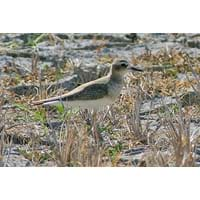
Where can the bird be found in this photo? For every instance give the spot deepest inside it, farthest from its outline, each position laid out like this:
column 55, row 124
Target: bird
column 97, row 93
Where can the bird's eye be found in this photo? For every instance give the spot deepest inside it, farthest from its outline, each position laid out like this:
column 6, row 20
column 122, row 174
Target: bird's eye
column 124, row 65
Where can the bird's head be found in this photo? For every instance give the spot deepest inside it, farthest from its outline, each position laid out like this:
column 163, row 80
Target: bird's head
column 121, row 67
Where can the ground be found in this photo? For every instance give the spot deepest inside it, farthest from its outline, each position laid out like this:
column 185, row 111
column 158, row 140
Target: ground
column 154, row 122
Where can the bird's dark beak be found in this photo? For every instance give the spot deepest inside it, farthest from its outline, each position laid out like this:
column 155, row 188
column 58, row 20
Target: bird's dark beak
column 135, row 68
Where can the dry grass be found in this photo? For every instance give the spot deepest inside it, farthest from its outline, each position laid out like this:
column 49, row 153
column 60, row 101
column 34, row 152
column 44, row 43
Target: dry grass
column 78, row 149
column 174, row 146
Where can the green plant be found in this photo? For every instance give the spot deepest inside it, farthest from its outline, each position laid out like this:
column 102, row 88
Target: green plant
column 172, row 72
column 114, row 151
column 34, row 39
column 22, row 107
column 40, row 115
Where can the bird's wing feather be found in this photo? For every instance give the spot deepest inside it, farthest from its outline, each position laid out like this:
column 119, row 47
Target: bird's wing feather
column 91, row 90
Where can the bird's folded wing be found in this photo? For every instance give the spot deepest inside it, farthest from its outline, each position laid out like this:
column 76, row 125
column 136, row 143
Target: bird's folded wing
column 89, row 92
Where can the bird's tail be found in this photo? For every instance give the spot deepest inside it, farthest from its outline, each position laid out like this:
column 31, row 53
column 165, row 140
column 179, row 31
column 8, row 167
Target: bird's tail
column 45, row 102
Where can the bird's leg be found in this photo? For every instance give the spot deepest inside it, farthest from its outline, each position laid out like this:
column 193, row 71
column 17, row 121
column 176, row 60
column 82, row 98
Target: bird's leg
column 106, row 113
column 85, row 116
column 90, row 119
column 95, row 127
column 92, row 123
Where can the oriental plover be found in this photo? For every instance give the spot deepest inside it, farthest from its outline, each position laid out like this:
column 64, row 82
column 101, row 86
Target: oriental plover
column 95, row 94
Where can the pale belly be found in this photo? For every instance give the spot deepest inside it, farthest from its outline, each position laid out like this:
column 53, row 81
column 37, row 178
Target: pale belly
column 89, row 104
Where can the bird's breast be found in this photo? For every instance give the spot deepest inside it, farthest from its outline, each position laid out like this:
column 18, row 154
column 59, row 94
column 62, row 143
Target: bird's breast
column 114, row 89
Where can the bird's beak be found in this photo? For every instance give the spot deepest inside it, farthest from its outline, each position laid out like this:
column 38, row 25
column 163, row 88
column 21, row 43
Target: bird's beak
column 135, row 68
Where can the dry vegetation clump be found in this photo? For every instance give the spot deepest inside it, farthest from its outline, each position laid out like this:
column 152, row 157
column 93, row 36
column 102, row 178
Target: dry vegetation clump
column 173, row 145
